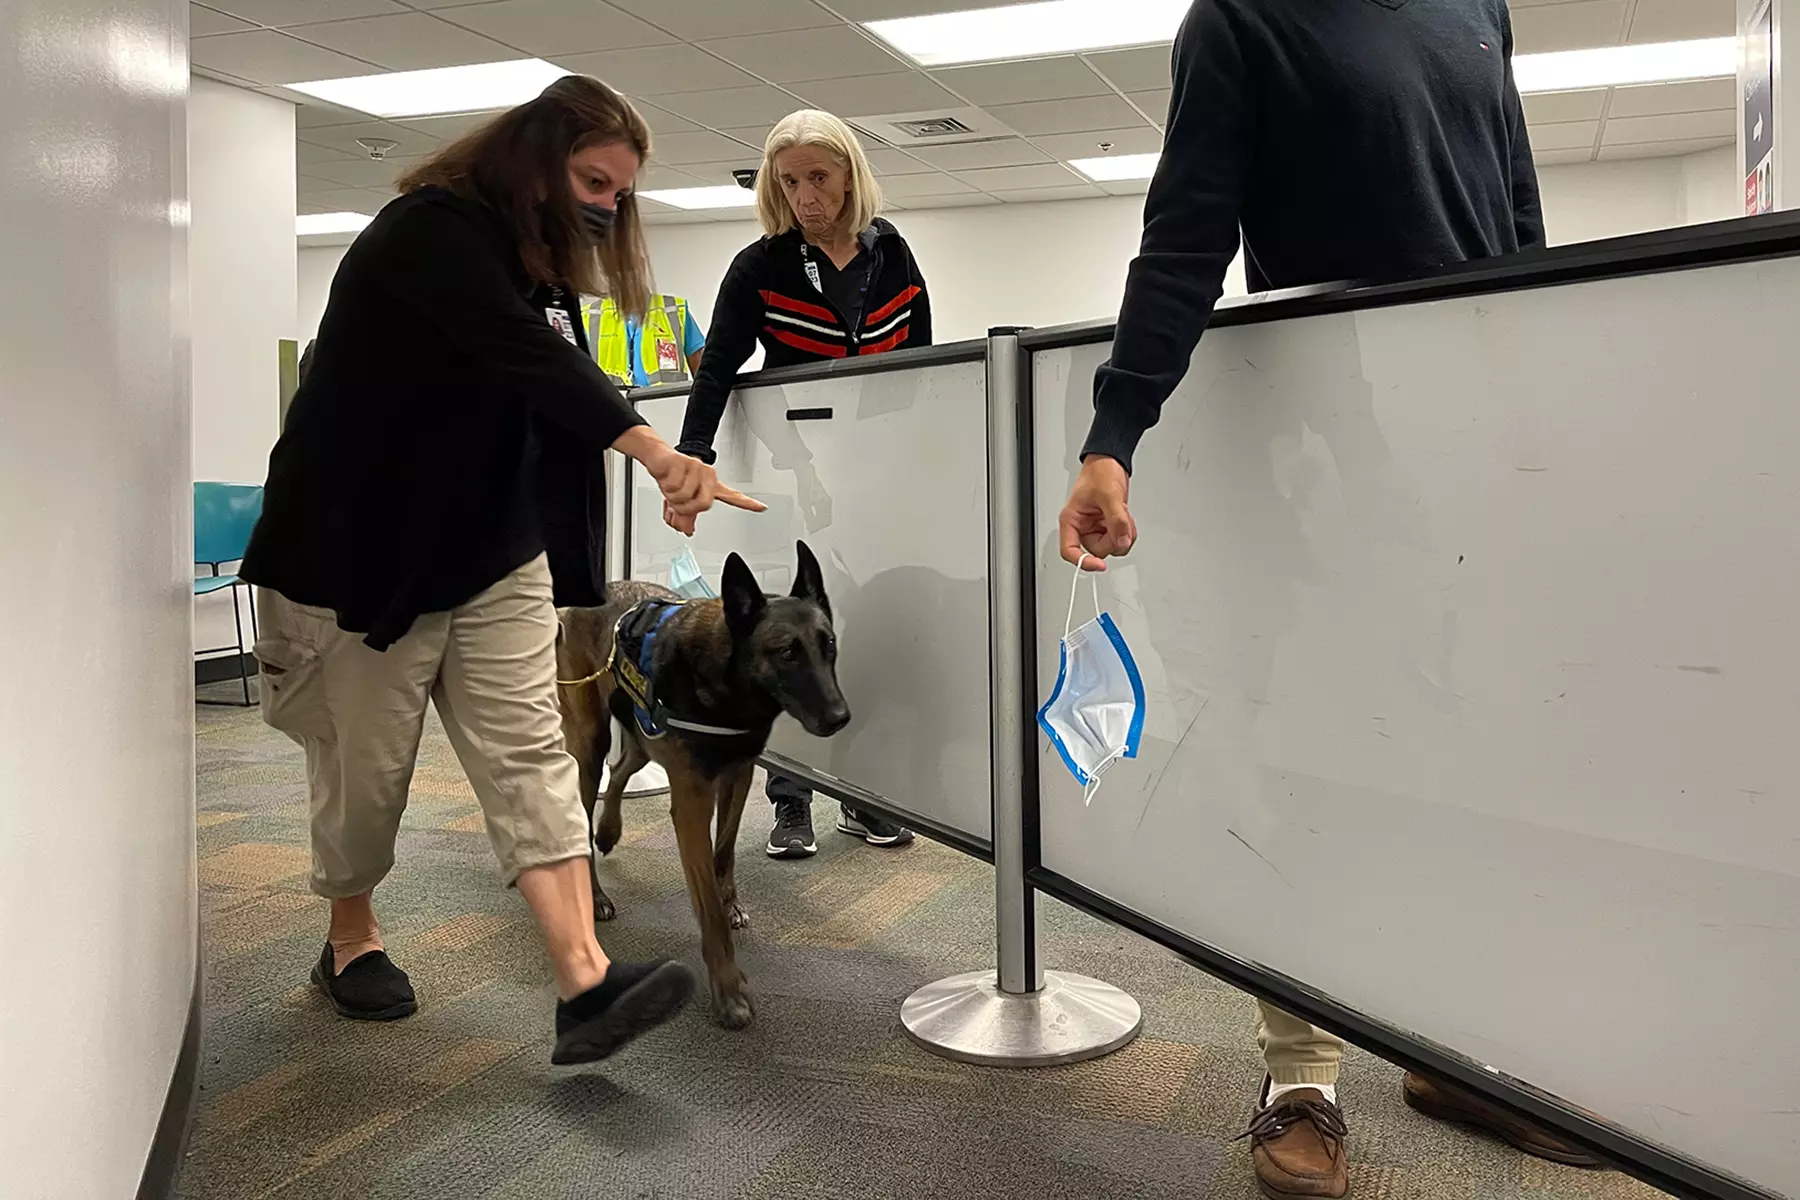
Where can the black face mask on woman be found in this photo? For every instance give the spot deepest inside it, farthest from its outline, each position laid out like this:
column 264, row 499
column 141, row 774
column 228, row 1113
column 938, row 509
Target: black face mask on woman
column 599, row 220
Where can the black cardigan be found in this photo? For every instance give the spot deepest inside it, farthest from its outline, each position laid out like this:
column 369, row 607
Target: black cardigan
column 767, row 296
column 443, row 429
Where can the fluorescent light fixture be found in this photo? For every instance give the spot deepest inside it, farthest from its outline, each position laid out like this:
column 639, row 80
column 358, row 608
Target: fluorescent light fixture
column 1031, row 30
column 728, row 195
column 1619, row 66
column 1111, row 168
column 439, row 91
column 339, row 222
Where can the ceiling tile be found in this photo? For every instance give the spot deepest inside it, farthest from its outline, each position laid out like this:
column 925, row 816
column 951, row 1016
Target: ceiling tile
column 701, row 146
column 659, row 175
column 750, row 135
column 957, row 200
column 1154, row 104
column 1004, row 179
column 203, row 21
column 343, row 137
column 1125, row 187
column 959, row 156
column 877, row 95
column 306, row 153
column 1670, row 128
column 555, row 28
column 719, row 173
column 895, row 162
column 656, row 214
column 1036, row 195
column 1020, row 82
column 1141, row 139
column 1679, row 20
column 696, row 19
column 1140, row 70
column 1576, row 25
column 375, row 174
column 1558, row 158
column 413, row 42
column 264, row 56
column 280, row 13
column 878, row 10
column 661, row 121
column 650, row 69
column 1586, row 105
column 731, row 106
column 908, row 188
column 1066, row 116
column 447, row 128
column 1564, row 135
column 828, row 53
column 1656, row 99
column 312, row 113
column 1661, row 149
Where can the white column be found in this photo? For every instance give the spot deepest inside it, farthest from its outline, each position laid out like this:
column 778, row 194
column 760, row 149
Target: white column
column 97, row 890
column 242, row 262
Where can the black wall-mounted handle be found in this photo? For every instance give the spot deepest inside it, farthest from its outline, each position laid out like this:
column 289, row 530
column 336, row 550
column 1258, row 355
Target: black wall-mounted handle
column 809, row 414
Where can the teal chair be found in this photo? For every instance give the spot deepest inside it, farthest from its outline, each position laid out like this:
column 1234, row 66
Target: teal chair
column 224, row 515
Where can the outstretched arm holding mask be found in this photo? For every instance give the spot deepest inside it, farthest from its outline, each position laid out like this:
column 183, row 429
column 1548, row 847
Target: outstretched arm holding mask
column 1190, row 238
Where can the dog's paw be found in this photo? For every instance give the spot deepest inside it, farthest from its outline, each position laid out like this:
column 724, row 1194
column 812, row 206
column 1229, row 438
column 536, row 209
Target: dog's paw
column 606, row 837
column 603, row 908
column 733, row 1011
column 735, row 914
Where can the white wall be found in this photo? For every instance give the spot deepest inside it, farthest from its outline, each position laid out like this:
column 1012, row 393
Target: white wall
column 242, row 260
column 314, row 269
column 97, row 889
column 1711, row 189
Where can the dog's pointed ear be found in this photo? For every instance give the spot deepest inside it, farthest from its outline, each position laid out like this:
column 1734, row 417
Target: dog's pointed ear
column 809, row 581
column 742, row 595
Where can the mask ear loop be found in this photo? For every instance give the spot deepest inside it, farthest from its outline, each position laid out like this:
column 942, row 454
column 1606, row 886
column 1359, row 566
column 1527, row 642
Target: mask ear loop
column 1075, row 590
column 1093, row 783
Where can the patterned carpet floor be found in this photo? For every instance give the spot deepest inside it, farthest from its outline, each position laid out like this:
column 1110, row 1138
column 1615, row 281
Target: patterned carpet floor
column 824, row 1097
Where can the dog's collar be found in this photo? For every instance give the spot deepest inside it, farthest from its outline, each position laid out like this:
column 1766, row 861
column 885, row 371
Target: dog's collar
column 632, row 672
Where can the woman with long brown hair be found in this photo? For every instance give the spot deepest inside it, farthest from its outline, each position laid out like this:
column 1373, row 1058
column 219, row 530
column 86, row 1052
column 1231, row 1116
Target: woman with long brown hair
column 438, row 461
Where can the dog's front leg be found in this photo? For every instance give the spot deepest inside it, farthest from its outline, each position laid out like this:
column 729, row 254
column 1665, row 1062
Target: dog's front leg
column 691, row 805
column 732, row 794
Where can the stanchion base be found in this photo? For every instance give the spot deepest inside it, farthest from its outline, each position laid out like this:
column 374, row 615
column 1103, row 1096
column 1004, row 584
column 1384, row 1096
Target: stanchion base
column 651, row 781
column 968, row 1018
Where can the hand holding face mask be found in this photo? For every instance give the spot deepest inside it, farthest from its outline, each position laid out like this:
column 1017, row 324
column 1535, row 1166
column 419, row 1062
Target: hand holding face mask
column 1095, row 714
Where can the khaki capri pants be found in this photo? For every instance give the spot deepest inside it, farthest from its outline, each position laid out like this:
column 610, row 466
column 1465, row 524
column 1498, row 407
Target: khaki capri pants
column 490, row 668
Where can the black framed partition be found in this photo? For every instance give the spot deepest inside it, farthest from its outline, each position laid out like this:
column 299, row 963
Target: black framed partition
column 1462, row 608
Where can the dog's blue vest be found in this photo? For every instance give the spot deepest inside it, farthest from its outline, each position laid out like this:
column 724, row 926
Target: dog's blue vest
column 632, row 664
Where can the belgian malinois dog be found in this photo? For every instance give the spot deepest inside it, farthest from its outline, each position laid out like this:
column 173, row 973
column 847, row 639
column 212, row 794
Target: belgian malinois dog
column 696, row 686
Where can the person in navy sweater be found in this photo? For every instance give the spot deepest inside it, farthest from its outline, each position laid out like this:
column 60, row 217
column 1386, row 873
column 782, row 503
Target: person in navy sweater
column 1358, row 140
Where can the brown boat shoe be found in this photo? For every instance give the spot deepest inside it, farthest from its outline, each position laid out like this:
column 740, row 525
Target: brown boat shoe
column 1446, row 1102
column 1297, row 1146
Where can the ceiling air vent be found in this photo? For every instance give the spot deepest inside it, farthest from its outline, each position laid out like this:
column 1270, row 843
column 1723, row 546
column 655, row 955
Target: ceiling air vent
column 933, row 127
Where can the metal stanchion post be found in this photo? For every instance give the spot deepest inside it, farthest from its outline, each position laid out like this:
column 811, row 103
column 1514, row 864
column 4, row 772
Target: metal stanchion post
column 1019, row 1015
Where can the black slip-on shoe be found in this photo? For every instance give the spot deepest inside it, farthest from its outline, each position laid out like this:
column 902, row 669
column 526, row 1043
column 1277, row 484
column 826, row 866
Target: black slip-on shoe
column 371, row 988
column 633, row 999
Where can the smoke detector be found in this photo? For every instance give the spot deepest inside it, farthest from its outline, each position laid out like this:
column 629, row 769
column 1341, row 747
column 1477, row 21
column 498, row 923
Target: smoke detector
column 377, row 147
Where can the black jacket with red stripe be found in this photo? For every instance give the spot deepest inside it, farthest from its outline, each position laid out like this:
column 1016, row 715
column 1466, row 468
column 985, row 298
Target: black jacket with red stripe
column 768, row 297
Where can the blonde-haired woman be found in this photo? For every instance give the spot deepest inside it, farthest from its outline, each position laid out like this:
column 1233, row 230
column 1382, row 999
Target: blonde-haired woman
column 828, row 279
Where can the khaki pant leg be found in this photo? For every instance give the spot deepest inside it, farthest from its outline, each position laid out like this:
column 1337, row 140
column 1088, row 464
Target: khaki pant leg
column 1296, row 1051
column 359, row 714
column 497, row 698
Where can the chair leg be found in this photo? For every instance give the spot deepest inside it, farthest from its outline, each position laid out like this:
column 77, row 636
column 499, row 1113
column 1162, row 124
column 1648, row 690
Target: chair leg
column 250, row 591
column 237, row 619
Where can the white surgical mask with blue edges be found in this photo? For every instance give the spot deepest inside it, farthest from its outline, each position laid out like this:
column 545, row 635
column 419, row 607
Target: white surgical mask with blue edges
column 1095, row 714
column 686, row 580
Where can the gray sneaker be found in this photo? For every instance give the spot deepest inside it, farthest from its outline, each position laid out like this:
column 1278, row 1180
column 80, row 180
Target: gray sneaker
column 877, row 831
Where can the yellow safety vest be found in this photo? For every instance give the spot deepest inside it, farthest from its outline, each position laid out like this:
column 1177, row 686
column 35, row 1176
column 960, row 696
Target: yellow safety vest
column 659, row 344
